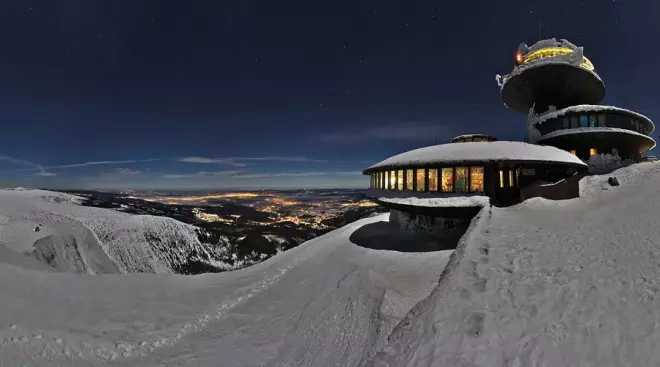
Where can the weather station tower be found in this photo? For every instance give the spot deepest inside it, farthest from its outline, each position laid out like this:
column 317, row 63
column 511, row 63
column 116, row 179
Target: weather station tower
column 557, row 87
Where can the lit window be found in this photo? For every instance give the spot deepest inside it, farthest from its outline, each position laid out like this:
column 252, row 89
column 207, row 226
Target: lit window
column 501, row 178
column 511, row 178
column 399, row 180
column 392, row 180
column 386, row 180
column 461, row 181
column 476, row 179
column 433, row 179
column 409, row 179
column 377, row 181
column 593, row 151
column 447, row 179
column 573, row 152
column 421, row 173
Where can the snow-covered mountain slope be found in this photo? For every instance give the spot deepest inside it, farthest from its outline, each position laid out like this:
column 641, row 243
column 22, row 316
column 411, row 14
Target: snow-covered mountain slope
column 544, row 283
column 327, row 302
column 75, row 238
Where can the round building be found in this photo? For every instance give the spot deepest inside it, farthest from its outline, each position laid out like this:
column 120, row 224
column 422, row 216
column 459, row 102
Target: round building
column 468, row 174
column 557, row 87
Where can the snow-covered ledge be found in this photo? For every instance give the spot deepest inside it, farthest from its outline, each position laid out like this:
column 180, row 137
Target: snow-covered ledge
column 429, row 199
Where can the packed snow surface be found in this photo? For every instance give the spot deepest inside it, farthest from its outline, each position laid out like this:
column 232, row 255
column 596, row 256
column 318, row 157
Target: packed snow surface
column 327, row 302
column 570, row 283
column 479, row 152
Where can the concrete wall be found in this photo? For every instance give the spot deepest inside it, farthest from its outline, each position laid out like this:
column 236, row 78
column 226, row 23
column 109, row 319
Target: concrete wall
column 409, row 222
column 568, row 188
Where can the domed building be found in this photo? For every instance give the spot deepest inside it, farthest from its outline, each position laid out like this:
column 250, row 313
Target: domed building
column 465, row 174
column 560, row 91
column 557, row 87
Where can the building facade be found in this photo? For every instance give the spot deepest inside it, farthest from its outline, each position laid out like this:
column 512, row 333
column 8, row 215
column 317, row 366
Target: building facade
column 557, row 87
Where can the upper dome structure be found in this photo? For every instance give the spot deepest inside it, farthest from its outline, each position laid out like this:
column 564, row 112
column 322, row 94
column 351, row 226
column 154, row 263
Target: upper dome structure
column 550, row 73
column 472, row 138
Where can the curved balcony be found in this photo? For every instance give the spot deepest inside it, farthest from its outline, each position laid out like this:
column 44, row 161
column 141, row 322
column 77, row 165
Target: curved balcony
column 551, row 82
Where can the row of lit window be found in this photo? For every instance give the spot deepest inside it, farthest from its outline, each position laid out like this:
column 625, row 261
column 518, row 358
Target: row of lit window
column 593, row 120
column 448, row 179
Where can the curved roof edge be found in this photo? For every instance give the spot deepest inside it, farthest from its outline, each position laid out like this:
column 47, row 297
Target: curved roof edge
column 520, row 69
column 588, row 130
column 591, row 108
column 465, row 136
column 478, row 152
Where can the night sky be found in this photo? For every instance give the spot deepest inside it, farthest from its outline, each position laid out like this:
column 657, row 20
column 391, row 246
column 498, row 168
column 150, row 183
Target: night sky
column 262, row 94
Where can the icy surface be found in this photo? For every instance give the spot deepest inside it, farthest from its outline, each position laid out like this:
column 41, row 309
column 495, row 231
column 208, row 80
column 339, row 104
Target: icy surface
column 479, row 151
column 570, row 283
column 327, row 302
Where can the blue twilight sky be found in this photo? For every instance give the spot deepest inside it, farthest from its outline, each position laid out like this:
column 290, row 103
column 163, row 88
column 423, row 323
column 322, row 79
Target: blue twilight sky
column 261, row 94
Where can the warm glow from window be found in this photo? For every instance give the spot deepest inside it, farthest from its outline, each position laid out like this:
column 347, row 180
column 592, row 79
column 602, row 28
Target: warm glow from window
column 399, row 180
column 409, row 179
column 511, row 178
column 392, row 180
column 433, row 179
column 501, row 178
column 447, row 179
column 573, row 152
column 593, row 151
column 420, row 179
column 461, row 181
column 476, row 179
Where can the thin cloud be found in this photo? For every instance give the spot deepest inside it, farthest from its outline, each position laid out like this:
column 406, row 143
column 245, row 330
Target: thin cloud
column 293, row 174
column 244, row 161
column 99, row 163
column 201, row 174
column 45, row 174
column 411, row 131
column 125, row 172
column 33, row 166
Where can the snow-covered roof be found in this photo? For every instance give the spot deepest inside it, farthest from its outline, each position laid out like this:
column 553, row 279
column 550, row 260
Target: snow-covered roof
column 467, row 136
column 591, row 130
column 479, row 152
column 592, row 108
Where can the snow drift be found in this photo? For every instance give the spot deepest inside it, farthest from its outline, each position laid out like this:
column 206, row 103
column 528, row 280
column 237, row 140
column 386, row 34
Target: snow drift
column 327, row 302
column 571, row 283
column 75, row 238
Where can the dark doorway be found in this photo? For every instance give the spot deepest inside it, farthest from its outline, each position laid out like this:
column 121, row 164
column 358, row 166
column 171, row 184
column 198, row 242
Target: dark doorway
column 507, row 190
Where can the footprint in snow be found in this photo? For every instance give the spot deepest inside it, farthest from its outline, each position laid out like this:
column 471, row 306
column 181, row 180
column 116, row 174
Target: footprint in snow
column 474, row 324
